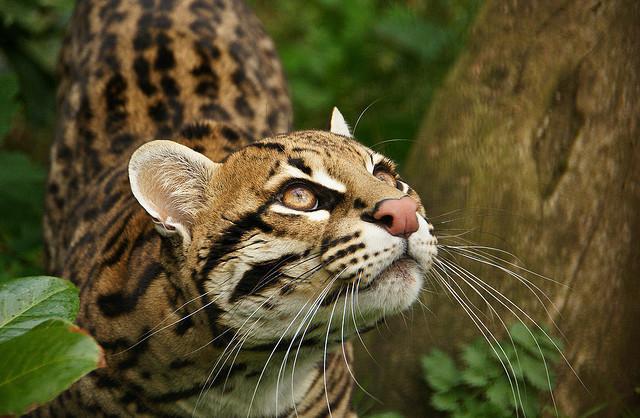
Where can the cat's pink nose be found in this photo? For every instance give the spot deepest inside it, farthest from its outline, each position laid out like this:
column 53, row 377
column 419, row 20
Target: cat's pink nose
column 398, row 216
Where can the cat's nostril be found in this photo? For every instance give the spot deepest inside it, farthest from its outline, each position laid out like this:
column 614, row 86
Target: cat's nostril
column 386, row 220
column 397, row 216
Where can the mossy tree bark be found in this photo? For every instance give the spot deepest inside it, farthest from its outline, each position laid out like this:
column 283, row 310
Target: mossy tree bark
column 535, row 135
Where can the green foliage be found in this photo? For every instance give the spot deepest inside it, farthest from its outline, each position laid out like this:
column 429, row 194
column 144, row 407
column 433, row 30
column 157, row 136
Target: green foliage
column 30, row 37
column 495, row 379
column 21, row 194
column 349, row 54
column 29, row 301
column 8, row 103
column 386, row 415
column 352, row 54
column 41, row 351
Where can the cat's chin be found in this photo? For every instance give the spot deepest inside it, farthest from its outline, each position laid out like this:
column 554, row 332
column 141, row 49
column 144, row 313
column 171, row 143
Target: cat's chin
column 395, row 289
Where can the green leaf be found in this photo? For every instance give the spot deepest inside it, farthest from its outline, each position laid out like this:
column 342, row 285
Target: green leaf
column 440, row 370
column 386, row 415
column 501, row 394
column 28, row 301
column 445, row 401
column 36, row 366
column 474, row 377
column 8, row 103
column 535, row 373
column 534, row 340
column 480, row 364
column 530, row 405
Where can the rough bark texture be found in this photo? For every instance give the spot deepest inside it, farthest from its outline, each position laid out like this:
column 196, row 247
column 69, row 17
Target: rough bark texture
column 535, row 135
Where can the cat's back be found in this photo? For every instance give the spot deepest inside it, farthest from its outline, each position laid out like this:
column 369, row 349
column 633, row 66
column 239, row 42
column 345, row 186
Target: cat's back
column 132, row 71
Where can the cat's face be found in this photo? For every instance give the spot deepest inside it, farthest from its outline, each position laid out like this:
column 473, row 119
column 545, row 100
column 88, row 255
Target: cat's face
column 296, row 234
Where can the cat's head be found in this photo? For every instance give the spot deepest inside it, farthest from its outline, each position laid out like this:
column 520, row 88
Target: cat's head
column 289, row 233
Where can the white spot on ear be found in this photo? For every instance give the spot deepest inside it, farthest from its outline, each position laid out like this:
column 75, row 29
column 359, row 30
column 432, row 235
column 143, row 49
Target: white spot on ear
column 338, row 124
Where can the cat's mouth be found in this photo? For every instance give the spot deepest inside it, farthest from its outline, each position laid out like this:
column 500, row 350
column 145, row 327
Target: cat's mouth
column 403, row 270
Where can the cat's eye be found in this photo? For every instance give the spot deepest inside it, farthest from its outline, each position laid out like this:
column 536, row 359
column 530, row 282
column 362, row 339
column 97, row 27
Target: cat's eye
column 299, row 197
column 383, row 175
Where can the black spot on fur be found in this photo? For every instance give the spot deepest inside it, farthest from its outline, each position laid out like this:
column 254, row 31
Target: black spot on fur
column 196, row 131
column 197, row 388
column 142, row 41
column 267, row 145
column 158, row 112
column 229, row 134
column 300, row 165
column 238, row 77
column 207, row 87
column 121, row 142
column 214, row 111
column 185, row 324
column 164, row 59
column 242, row 107
column 180, row 363
column 169, row 86
column 272, row 119
column 359, row 203
column 119, row 303
column 103, row 380
column 142, row 70
column 114, row 95
column 64, row 152
column 260, row 276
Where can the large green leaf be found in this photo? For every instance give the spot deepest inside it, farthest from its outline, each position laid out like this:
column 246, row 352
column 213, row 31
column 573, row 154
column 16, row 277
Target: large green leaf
column 36, row 366
column 28, row 301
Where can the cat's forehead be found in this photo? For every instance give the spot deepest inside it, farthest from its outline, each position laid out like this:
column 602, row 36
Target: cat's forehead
column 308, row 151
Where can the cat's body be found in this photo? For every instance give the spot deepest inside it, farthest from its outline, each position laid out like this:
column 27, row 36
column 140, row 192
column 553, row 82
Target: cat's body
column 204, row 307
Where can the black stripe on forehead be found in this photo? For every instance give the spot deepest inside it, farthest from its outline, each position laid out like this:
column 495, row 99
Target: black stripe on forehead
column 301, row 149
column 300, row 165
column 267, row 145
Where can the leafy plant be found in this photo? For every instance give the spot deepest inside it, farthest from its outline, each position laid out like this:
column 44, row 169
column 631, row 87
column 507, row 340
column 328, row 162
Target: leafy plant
column 391, row 55
column 30, row 37
column 497, row 379
column 386, row 415
column 21, row 195
column 41, row 351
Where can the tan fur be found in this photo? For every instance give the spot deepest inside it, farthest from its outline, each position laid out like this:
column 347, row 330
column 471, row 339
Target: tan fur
column 203, row 288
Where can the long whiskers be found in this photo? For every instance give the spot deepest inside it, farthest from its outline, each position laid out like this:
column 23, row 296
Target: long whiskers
column 342, row 342
column 484, row 330
column 272, row 353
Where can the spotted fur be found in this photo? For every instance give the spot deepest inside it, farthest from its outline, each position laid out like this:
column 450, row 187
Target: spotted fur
column 224, row 302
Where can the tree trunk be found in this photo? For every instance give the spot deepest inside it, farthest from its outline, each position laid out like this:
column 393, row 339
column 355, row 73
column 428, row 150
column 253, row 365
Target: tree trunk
column 535, row 136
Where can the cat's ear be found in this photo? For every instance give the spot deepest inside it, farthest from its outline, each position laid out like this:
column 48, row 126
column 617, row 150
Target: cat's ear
column 338, row 124
column 171, row 182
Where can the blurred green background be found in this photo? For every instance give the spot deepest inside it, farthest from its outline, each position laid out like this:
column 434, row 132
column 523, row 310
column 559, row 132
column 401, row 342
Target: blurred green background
column 387, row 56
